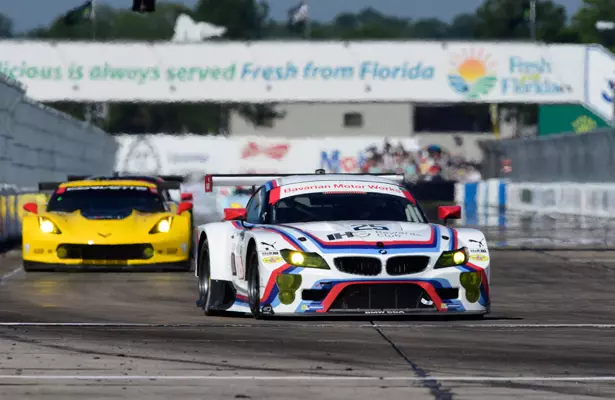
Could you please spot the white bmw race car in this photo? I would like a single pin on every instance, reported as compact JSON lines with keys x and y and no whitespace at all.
{"x":333,"y":244}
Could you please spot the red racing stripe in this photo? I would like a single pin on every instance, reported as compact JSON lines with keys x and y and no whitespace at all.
{"x":428,"y":287}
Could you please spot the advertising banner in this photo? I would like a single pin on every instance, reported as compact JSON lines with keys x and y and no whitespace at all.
{"x":297,"y":71}
{"x":554,"y":119}
{"x":600,"y":85}
{"x":200,"y":155}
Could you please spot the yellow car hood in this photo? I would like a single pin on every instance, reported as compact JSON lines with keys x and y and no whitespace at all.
{"x":133,"y":226}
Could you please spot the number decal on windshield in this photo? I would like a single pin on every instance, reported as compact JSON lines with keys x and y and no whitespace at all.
{"x":370,"y":227}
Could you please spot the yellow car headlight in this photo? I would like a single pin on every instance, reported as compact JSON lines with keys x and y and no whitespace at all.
{"x":453,"y":258}
{"x":306,"y":260}
{"x":47,"y":226}
{"x":162,"y":226}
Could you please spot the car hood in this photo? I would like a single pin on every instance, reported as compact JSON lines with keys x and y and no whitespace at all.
{"x":368,"y":231}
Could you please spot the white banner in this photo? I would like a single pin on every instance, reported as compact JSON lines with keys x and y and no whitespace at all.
{"x":297,"y":71}
{"x":200,"y":155}
{"x":600,"y":78}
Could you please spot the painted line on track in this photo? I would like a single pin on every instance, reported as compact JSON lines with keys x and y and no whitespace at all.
{"x":312,"y":378}
{"x":409,"y":325}
{"x":8,"y":275}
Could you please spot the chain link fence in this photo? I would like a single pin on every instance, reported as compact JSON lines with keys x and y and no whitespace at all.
{"x":588,"y":157}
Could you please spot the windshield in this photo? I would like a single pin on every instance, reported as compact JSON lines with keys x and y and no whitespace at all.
{"x":345,"y":207}
{"x":102,"y":201}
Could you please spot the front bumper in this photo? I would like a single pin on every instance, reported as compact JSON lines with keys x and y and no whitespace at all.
{"x":119,"y":256}
{"x":433,"y":292}
{"x":33,"y":266}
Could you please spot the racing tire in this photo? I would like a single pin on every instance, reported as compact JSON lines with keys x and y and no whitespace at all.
{"x":204,"y":280}
{"x":254,"y":285}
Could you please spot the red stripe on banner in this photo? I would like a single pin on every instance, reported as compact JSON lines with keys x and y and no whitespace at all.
{"x":428,"y":287}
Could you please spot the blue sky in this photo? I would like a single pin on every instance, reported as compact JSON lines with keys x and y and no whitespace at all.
{"x":28,"y":14}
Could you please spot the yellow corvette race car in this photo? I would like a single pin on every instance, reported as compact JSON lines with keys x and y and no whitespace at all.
{"x":106,"y":224}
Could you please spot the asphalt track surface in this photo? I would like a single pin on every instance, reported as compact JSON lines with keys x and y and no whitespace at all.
{"x":140,"y":336}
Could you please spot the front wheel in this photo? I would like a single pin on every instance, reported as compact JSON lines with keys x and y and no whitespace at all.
{"x":204,"y":282}
{"x":254,"y":285}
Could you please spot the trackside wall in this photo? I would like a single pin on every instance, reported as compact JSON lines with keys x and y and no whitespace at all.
{"x":37,"y":144}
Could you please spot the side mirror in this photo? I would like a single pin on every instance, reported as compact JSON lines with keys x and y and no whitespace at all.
{"x":235,"y":214}
{"x":31,"y":207}
{"x":186,"y":197}
{"x":183,"y":207}
{"x":449,"y":212}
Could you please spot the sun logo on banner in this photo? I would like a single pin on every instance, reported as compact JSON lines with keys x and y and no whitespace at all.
{"x":473,"y":74}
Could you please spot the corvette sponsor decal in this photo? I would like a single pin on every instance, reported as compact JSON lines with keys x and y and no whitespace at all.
{"x":77,"y":188}
{"x":272,"y":260}
{"x":479,"y":257}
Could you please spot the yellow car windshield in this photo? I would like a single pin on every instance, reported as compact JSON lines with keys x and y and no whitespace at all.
{"x":102,"y":202}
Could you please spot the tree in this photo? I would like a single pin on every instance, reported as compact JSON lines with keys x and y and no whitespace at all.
{"x":584,"y":22}
{"x":6,"y":26}
{"x":242,"y":18}
{"x":508,"y":20}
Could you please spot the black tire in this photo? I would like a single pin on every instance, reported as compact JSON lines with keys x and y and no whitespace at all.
{"x":204,"y":279}
{"x":254,"y":285}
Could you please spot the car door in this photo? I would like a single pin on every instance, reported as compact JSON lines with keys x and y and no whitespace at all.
{"x":253,"y":216}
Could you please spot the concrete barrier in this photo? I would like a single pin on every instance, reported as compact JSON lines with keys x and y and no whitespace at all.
{"x":38,"y":143}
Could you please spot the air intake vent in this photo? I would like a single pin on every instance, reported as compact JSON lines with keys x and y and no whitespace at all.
{"x":405,"y":265}
{"x":366,"y":266}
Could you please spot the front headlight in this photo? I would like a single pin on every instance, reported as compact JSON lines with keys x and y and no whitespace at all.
{"x":453,"y":258}
{"x":47,"y":226}
{"x":162,"y":226}
{"x":306,"y":260}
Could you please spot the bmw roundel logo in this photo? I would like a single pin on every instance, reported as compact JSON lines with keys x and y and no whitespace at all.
{"x":383,"y":251}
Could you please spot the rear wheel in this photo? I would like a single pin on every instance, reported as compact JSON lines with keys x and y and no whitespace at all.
{"x":254,"y":285}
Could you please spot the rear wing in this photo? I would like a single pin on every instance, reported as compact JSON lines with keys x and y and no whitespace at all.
{"x":254,"y":180}
{"x":52,"y":186}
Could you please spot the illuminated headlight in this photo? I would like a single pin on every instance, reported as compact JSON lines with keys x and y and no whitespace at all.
{"x":47,"y":226}
{"x":162,"y":226}
{"x":453,"y":258}
{"x":306,"y":260}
